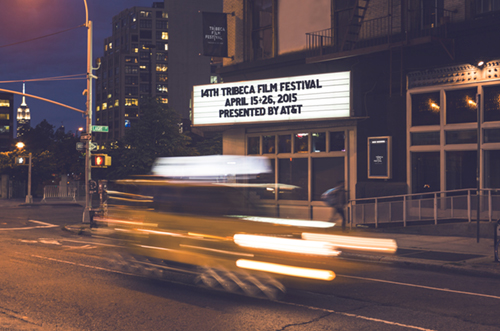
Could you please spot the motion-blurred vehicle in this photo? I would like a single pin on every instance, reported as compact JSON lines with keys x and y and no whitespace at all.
{"x":204,"y":217}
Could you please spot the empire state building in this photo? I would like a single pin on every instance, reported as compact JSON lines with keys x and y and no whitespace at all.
{"x":23,"y":116}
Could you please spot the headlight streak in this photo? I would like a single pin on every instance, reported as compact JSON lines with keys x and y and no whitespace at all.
{"x":156,"y":247}
{"x":290,"y":222}
{"x":209,"y":236}
{"x":299,"y":246}
{"x":355,"y":243}
{"x":216,"y":250}
{"x":286,"y":269}
{"x":113,"y":221}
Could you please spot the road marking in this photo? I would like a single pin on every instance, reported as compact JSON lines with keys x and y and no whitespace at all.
{"x":358,"y":316}
{"x":422,"y":286}
{"x":282,"y":302}
{"x":43,"y":226}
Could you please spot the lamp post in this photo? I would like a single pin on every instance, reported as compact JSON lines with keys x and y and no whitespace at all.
{"x":29,"y":197}
{"x":88,"y":91}
{"x":478,"y":166}
{"x":477,"y":104}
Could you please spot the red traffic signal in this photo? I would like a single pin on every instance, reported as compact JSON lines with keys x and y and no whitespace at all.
{"x":100,"y":160}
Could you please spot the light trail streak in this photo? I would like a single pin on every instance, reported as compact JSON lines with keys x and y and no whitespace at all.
{"x":43,"y":226}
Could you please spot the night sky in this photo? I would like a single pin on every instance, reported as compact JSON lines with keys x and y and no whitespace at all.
{"x":58,"y":55}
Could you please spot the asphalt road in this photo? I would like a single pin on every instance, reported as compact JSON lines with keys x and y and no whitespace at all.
{"x":54,"y":280}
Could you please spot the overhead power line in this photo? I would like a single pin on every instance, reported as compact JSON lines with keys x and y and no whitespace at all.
{"x":44,"y":79}
{"x":41,"y":37}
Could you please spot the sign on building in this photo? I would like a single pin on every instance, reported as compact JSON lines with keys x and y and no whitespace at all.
{"x":379,"y":157}
{"x":215,"y":34}
{"x":298,"y":98}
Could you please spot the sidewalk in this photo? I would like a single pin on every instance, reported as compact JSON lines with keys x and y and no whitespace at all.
{"x":458,"y":254}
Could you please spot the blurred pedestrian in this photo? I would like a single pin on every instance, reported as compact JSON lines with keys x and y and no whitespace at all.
{"x":335,"y":198}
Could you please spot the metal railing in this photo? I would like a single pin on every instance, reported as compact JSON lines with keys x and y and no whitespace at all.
{"x":426,"y":207}
{"x":60,"y":192}
{"x":380,"y":31}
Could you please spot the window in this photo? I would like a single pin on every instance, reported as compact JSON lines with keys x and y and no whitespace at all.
{"x":293,"y":171}
{"x":117,"y":103}
{"x":262,"y":28}
{"x":326,"y":173}
{"x":486,"y":6}
{"x":164,"y":35}
{"x":425,"y":109}
{"x":146,"y":77}
{"x":491,"y":135}
{"x":491,"y":103}
{"x":145,"y":24}
{"x":131,"y":102}
{"x":161,"y":67}
{"x":460,"y":106}
{"x":146,"y":34}
{"x":4,"y":103}
{"x":161,"y":77}
{"x":301,"y":143}
{"x":337,"y":141}
{"x":425,"y":172}
{"x":104,"y":105}
{"x":318,"y":141}
{"x":163,"y":100}
{"x":161,"y":56}
{"x":284,"y":144}
{"x":131,"y":90}
{"x":432,"y":13}
{"x":268,"y":144}
{"x":144,"y":13}
{"x":461,"y":170}
{"x":461,"y":137}
{"x":425,"y":138}
{"x":253,"y":145}
{"x":162,"y":88}
{"x":4,"y":128}
{"x":145,"y":88}
{"x":491,"y":173}
{"x":4,"y":116}
{"x":131,"y":69}
{"x":161,"y":25}
{"x":131,"y":80}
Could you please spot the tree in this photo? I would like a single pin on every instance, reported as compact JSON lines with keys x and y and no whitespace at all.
{"x":53,"y":154}
{"x":155,"y":135}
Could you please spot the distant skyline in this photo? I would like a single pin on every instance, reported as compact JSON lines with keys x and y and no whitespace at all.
{"x":58,"y":55}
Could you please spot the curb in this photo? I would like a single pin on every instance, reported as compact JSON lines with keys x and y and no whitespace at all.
{"x":439,"y":266}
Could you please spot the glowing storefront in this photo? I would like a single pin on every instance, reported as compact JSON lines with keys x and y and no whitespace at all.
{"x":442,"y":127}
{"x":302,"y":124}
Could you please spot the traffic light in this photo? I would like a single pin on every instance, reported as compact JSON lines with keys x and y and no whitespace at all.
{"x":21,"y":160}
{"x":100,"y":160}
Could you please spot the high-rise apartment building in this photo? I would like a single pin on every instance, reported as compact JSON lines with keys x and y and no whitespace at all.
{"x":6,"y":121}
{"x":133,"y":68}
{"x":154,"y":52}
{"x":23,"y":115}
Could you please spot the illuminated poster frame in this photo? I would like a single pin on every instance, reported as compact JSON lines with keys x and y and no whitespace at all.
{"x":379,"y":157}
{"x":297,"y":98}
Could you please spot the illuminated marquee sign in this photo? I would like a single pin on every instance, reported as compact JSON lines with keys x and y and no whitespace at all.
{"x":310,"y":97}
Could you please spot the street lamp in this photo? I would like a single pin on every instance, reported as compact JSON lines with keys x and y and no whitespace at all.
{"x":88,"y":92}
{"x":29,"y":198}
{"x":477,"y":104}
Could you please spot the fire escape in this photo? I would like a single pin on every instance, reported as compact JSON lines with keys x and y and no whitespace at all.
{"x":353,"y":35}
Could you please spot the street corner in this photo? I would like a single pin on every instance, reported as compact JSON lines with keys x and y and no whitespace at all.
{"x":81,"y":229}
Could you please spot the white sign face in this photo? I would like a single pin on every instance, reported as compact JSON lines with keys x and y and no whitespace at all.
{"x":310,"y":97}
